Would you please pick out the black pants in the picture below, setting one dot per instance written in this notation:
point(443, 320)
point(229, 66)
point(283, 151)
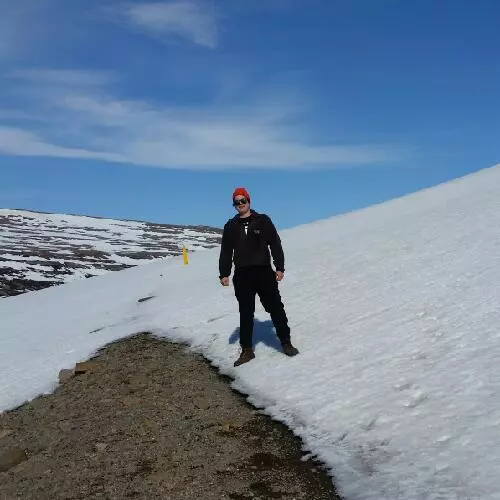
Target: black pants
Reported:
point(260, 280)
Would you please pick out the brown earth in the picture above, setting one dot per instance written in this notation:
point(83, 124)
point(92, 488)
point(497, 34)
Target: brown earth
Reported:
point(149, 420)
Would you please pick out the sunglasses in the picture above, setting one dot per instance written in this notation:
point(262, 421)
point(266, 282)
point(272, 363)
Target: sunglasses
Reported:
point(242, 201)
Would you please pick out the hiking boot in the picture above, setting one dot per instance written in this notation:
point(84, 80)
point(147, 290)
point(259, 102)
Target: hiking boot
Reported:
point(289, 350)
point(246, 355)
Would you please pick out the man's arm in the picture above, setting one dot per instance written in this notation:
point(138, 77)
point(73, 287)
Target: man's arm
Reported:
point(274, 242)
point(226, 254)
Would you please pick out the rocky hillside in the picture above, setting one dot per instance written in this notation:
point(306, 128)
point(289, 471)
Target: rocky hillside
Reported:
point(38, 250)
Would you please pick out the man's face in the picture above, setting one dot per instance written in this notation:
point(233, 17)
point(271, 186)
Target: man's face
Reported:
point(241, 204)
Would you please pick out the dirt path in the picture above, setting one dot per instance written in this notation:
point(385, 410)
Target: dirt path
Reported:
point(151, 422)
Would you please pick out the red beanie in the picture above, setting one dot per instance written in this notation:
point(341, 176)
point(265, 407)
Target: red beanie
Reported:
point(241, 192)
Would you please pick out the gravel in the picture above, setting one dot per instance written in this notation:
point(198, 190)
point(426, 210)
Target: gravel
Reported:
point(151, 420)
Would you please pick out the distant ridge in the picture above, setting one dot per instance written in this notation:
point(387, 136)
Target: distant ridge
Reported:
point(40, 249)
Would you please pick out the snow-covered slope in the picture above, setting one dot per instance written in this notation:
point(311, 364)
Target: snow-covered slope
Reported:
point(38, 250)
point(395, 310)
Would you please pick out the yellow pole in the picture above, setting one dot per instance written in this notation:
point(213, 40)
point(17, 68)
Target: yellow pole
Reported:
point(185, 256)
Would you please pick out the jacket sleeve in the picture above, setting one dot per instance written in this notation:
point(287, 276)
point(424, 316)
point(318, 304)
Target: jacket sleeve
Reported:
point(274, 242)
point(226, 253)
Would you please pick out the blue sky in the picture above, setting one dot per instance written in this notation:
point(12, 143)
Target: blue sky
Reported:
point(157, 110)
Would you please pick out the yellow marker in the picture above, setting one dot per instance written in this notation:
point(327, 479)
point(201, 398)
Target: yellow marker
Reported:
point(185, 256)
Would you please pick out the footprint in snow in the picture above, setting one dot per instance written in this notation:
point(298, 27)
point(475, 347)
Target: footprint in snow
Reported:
point(417, 399)
point(403, 386)
point(368, 426)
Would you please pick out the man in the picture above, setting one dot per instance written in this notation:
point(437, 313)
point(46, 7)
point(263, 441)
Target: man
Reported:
point(246, 239)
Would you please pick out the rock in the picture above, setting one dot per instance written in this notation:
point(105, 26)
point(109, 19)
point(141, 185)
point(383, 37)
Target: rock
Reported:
point(228, 427)
point(86, 366)
point(11, 458)
point(203, 404)
point(131, 401)
point(65, 375)
point(5, 432)
point(100, 447)
point(144, 299)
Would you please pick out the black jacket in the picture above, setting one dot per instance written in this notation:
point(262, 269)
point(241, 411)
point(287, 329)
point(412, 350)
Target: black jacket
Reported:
point(250, 248)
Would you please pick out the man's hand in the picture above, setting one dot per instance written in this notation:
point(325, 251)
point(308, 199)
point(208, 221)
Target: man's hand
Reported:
point(224, 281)
point(279, 275)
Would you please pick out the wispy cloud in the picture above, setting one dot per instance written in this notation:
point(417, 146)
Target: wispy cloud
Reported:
point(19, 142)
point(94, 125)
point(79, 113)
point(63, 77)
point(194, 21)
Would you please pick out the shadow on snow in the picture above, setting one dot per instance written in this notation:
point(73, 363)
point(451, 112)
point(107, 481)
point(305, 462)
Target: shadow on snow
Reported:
point(263, 332)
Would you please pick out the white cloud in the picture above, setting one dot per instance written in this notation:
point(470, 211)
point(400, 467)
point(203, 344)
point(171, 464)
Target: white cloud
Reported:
point(135, 132)
point(18, 142)
point(191, 20)
point(71, 114)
